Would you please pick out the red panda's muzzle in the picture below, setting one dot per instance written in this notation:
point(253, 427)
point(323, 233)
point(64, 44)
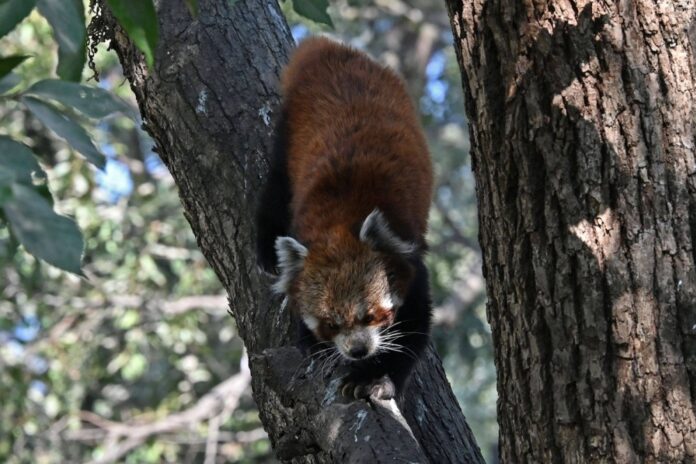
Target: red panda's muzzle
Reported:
point(358, 343)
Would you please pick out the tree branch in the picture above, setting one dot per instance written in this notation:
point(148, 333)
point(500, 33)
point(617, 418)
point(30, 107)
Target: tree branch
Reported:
point(221, 400)
point(206, 105)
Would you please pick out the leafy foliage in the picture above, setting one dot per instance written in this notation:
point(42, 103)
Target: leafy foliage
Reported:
point(8, 63)
point(67, 18)
point(133, 341)
point(91, 101)
point(18, 162)
point(139, 19)
point(55, 239)
point(9, 82)
point(314, 10)
point(12, 12)
point(47, 235)
point(65, 127)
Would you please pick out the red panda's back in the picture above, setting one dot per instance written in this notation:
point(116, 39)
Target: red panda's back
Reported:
point(354, 143)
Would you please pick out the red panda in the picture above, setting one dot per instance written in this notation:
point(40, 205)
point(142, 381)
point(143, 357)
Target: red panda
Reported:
point(343, 216)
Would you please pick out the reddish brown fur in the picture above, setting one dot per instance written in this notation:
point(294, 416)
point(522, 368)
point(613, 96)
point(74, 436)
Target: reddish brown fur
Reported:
point(355, 143)
point(337, 282)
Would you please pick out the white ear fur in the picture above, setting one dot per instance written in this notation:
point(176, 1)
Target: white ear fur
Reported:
point(375, 231)
point(291, 255)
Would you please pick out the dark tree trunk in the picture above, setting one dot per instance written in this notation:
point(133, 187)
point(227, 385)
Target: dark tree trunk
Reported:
point(582, 125)
point(210, 106)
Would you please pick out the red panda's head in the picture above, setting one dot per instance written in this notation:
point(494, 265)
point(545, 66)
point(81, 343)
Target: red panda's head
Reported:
point(348, 290)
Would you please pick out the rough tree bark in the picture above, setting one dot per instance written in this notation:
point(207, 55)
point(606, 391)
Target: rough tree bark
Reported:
point(210, 105)
point(582, 125)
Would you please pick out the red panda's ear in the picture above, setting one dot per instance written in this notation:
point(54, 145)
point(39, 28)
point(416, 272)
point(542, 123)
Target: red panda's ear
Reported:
point(291, 256)
point(375, 231)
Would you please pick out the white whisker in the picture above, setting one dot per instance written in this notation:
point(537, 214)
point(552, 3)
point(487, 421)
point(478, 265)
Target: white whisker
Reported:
point(396, 348)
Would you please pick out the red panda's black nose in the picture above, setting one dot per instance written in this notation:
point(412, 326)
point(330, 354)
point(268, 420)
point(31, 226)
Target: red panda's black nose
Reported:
point(358, 352)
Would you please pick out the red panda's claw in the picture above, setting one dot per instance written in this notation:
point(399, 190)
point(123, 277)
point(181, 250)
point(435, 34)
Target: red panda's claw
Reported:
point(382, 389)
point(348, 389)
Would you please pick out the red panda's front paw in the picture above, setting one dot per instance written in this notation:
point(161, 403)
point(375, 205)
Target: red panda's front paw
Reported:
point(382, 388)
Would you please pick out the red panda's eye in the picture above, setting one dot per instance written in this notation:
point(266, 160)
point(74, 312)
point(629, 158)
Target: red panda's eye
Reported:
point(368, 318)
point(332, 326)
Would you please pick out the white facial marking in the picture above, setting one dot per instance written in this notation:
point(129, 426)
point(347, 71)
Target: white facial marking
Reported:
point(387, 302)
point(367, 336)
point(374, 337)
point(340, 342)
point(311, 322)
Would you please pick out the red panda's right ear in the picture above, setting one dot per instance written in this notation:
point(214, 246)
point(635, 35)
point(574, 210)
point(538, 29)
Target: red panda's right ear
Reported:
point(291, 255)
point(375, 231)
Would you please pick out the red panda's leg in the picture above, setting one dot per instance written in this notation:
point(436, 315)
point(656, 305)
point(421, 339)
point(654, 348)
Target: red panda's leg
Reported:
point(273, 213)
point(386, 374)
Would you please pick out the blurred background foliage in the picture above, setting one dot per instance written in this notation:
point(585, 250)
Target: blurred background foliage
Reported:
point(139, 361)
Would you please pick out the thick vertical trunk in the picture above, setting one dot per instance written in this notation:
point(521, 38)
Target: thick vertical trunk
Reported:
point(582, 123)
point(210, 105)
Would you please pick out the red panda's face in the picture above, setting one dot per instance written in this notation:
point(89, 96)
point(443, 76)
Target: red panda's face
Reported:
point(350, 302)
point(348, 290)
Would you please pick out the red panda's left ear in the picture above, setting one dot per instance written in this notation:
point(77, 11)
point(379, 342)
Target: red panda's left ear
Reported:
point(291, 256)
point(375, 232)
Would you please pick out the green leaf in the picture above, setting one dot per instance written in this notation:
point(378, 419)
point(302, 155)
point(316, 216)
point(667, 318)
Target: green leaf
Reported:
point(8, 63)
point(314, 10)
point(18, 160)
point(6, 181)
point(67, 18)
point(7, 176)
point(12, 12)
point(91, 101)
point(46, 235)
point(135, 367)
point(193, 7)
point(66, 128)
point(5, 189)
point(139, 19)
point(128, 320)
point(9, 82)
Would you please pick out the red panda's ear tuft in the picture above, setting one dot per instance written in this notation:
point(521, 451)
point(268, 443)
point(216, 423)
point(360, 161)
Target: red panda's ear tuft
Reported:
point(375, 232)
point(291, 256)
